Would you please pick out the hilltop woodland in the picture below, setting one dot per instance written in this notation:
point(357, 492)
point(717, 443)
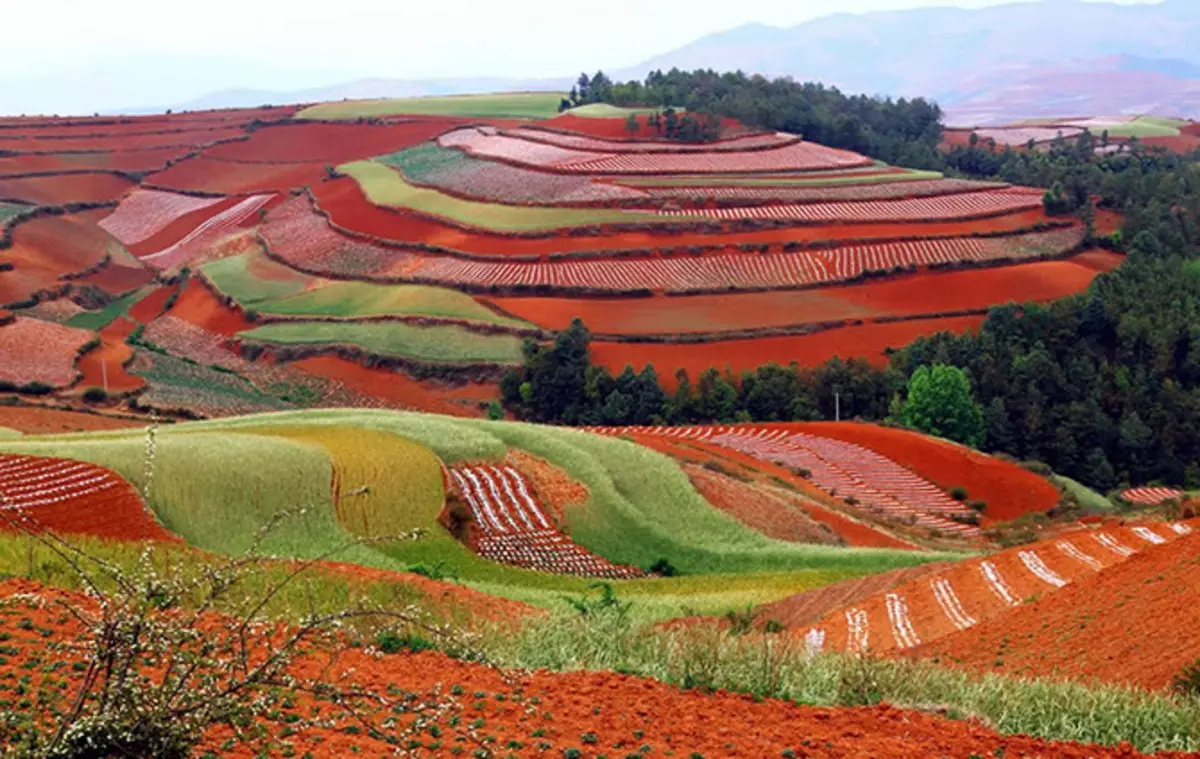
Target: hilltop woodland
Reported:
point(1103, 386)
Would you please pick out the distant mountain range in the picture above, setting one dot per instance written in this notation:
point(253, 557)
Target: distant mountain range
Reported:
point(987, 66)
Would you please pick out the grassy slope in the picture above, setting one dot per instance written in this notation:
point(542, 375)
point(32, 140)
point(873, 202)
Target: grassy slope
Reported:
point(252, 467)
point(96, 320)
point(385, 186)
point(260, 284)
point(9, 210)
point(442, 344)
point(606, 111)
point(516, 105)
point(1144, 126)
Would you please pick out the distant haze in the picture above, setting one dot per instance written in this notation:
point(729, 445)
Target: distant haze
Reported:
point(79, 56)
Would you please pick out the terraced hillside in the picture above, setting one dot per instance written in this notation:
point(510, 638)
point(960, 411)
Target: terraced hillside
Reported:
point(397, 253)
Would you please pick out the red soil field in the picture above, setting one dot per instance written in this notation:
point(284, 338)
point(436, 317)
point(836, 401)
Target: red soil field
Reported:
point(1184, 143)
point(134, 160)
point(105, 366)
point(116, 279)
point(394, 388)
point(72, 188)
point(38, 351)
point(152, 306)
point(34, 420)
point(908, 295)
point(202, 135)
point(805, 608)
point(1009, 490)
point(48, 247)
point(197, 304)
point(202, 174)
point(621, 710)
point(328, 143)
point(1137, 623)
point(348, 207)
point(867, 341)
point(769, 513)
point(855, 533)
point(179, 228)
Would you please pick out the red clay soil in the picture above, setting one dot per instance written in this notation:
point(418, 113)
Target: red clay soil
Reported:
point(868, 341)
point(117, 279)
point(909, 295)
point(344, 201)
point(228, 178)
point(393, 388)
point(622, 711)
point(1107, 221)
point(61, 190)
point(104, 366)
point(1009, 490)
point(1137, 623)
point(153, 305)
point(769, 513)
point(84, 500)
point(1183, 143)
point(329, 143)
point(853, 532)
point(134, 160)
point(180, 228)
point(614, 128)
point(191, 138)
point(48, 247)
point(33, 420)
point(200, 306)
point(805, 608)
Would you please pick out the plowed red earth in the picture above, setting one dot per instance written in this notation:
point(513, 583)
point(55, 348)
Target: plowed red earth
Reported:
point(1009, 490)
point(393, 388)
point(348, 208)
point(200, 306)
point(805, 608)
point(33, 420)
point(769, 513)
point(853, 532)
point(911, 295)
point(104, 366)
point(48, 247)
point(86, 500)
point(328, 143)
point(202, 174)
point(61, 190)
point(153, 305)
point(868, 341)
point(622, 711)
point(1135, 623)
point(134, 160)
point(116, 279)
point(191, 138)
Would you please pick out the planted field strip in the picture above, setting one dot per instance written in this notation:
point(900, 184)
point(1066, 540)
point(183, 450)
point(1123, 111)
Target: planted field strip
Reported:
point(62, 190)
point(37, 351)
point(201, 174)
point(147, 212)
point(958, 206)
point(1112, 544)
point(852, 189)
point(124, 143)
point(598, 145)
point(963, 595)
point(1022, 135)
point(73, 497)
point(1151, 496)
point(491, 143)
point(331, 143)
point(206, 234)
point(843, 470)
point(1148, 535)
point(78, 163)
point(515, 530)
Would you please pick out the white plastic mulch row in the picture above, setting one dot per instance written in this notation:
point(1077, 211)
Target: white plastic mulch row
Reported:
point(515, 529)
point(32, 482)
point(145, 213)
point(996, 582)
point(1112, 544)
point(902, 629)
point(943, 591)
point(1069, 549)
point(859, 632)
point(1151, 496)
point(207, 232)
point(1034, 564)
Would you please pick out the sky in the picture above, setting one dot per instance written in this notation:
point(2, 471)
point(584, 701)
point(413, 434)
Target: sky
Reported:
point(80, 52)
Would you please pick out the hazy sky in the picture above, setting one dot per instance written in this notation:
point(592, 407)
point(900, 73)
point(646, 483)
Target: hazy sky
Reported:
point(83, 55)
point(402, 38)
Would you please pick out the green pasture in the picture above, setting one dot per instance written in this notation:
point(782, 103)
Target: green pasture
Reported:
point(95, 320)
point(385, 186)
point(507, 105)
point(436, 344)
point(216, 482)
point(1144, 126)
point(260, 284)
point(607, 111)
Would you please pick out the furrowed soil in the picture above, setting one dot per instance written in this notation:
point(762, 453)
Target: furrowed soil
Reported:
point(34, 420)
point(808, 607)
point(1136, 623)
point(623, 712)
point(393, 388)
point(867, 341)
point(104, 367)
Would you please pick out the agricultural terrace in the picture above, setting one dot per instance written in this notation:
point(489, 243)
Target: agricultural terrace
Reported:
point(439, 344)
point(516, 105)
point(38, 352)
point(633, 507)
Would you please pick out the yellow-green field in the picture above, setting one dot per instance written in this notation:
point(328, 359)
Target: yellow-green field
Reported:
point(506, 105)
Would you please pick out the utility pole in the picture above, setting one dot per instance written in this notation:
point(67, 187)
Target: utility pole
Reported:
point(104, 374)
point(837, 406)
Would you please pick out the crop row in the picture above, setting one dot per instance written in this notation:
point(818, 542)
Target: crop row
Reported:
point(514, 528)
point(207, 233)
point(145, 213)
point(823, 193)
point(942, 207)
point(490, 143)
point(38, 351)
point(1151, 496)
point(597, 145)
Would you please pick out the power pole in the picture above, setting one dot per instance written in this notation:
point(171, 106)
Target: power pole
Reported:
point(837, 406)
point(104, 374)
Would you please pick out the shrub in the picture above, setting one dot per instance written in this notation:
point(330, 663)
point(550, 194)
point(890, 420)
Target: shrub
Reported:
point(663, 568)
point(980, 506)
point(95, 395)
point(1187, 682)
point(36, 388)
point(959, 494)
point(391, 642)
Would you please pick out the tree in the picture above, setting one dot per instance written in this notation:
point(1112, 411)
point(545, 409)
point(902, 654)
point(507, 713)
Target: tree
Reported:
point(940, 402)
point(631, 124)
point(581, 87)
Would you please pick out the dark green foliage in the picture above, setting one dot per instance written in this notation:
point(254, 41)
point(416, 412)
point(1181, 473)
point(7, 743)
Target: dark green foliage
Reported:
point(1187, 682)
point(940, 403)
point(391, 642)
point(663, 568)
point(95, 395)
